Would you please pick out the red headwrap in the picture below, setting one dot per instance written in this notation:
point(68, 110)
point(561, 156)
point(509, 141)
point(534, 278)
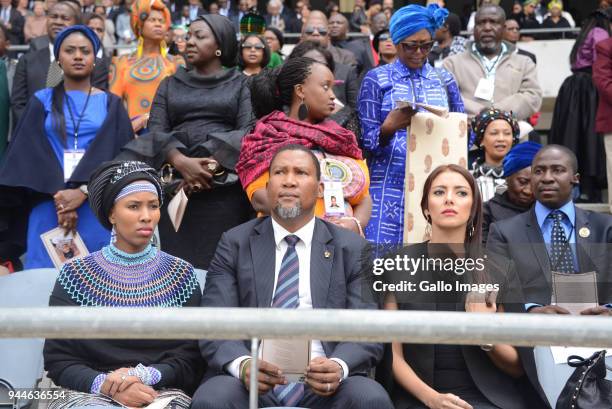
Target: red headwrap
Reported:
point(276, 130)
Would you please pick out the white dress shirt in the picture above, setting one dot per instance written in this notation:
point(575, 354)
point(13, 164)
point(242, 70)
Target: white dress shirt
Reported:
point(302, 248)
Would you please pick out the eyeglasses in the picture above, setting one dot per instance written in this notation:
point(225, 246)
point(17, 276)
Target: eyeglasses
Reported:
point(384, 37)
point(513, 29)
point(253, 46)
point(412, 47)
point(180, 38)
point(311, 30)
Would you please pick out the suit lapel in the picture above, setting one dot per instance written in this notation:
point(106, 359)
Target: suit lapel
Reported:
point(322, 255)
point(583, 244)
point(263, 253)
point(534, 235)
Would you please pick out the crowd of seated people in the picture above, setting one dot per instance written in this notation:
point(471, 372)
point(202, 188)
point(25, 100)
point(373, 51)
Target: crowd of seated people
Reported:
point(281, 176)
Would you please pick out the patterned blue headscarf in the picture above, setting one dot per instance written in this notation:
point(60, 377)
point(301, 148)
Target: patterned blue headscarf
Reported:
point(413, 18)
point(520, 157)
point(86, 31)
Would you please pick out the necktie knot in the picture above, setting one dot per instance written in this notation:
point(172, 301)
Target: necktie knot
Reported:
point(556, 215)
point(292, 240)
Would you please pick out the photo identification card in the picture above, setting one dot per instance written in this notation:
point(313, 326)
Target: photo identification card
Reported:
point(72, 157)
point(333, 197)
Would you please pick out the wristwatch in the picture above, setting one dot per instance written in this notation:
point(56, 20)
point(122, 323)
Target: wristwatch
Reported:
point(83, 189)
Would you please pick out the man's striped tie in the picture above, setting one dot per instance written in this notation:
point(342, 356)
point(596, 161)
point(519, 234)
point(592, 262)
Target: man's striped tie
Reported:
point(287, 296)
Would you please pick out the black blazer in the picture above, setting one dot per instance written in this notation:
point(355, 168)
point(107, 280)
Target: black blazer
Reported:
point(241, 274)
point(501, 389)
point(15, 34)
point(520, 240)
point(31, 76)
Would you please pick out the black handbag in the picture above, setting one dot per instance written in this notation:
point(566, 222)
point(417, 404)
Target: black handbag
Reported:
point(587, 388)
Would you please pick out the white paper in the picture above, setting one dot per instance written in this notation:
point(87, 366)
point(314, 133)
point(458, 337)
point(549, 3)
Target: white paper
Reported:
point(291, 356)
point(485, 89)
point(160, 403)
point(560, 354)
point(176, 208)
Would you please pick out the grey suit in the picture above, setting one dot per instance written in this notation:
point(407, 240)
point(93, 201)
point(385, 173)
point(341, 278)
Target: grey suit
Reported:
point(241, 274)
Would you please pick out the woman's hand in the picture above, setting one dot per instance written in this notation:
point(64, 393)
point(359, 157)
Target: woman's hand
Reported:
point(481, 302)
point(448, 401)
point(136, 395)
point(195, 172)
point(347, 223)
point(68, 200)
point(398, 118)
point(68, 221)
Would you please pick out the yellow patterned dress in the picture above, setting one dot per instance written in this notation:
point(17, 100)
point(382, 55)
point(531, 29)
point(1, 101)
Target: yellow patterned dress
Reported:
point(135, 80)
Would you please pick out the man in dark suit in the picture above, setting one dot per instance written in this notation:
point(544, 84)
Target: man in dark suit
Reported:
point(360, 47)
point(280, 17)
point(531, 239)
point(290, 260)
point(33, 68)
point(13, 21)
point(531, 242)
point(237, 14)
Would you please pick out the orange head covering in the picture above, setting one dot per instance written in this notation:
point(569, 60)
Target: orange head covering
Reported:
point(141, 10)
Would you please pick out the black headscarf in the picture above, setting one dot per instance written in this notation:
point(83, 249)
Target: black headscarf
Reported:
point(225, 35)
point(110, 178)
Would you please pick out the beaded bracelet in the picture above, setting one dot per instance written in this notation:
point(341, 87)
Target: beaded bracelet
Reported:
point(358, 224)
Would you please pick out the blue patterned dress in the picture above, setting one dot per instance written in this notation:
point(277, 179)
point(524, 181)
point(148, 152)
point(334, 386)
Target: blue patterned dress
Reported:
point(382, 87)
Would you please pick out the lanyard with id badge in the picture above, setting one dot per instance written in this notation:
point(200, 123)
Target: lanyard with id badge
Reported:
point(486, 86)
point(72, 157)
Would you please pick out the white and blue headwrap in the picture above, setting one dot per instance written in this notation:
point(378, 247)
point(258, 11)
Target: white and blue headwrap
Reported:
point(414, 18)
point(137, 187)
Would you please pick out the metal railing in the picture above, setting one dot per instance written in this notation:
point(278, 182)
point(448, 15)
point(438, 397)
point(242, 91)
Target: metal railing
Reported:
point(430, 327)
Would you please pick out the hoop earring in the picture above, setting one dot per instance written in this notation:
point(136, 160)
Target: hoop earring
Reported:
point(428, 231)
point(218, 53)
point(303, 111)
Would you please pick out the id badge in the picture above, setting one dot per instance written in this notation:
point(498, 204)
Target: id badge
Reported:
point(438, 63)
point(485, 89)
point(333, 197)
point(72, 157)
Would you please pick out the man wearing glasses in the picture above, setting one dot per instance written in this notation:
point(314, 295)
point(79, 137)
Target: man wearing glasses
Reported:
point(316, 29)
point(490, 73)
point(512, 33)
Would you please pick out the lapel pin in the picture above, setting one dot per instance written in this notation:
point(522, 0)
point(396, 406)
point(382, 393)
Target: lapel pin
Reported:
point(327, 254)
point(584, 232)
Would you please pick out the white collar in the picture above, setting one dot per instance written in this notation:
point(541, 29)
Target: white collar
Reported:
point(305, 233)
point(51, 51)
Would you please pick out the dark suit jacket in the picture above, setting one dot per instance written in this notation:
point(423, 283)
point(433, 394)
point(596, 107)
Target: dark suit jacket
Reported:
point(362, 51)
point(241, 274)
point(31, 76)
point(291, 22)
point(17, 22)
point(38, 43)
point(520, 239)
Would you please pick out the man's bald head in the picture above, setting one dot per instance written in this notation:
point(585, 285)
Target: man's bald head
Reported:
point(491, 8)
point(316, 28)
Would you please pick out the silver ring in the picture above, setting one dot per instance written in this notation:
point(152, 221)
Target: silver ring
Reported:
point(328, 387)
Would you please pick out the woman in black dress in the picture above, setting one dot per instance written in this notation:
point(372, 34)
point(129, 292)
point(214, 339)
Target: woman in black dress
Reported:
point(198, 119)
point(452, 376)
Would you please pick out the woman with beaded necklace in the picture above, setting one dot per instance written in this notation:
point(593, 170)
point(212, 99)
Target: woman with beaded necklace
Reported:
point(130, 272)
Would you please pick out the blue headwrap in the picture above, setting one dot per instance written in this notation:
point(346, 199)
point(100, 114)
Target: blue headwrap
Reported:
point(520, 157)
point(413, 18)
point(86, 31)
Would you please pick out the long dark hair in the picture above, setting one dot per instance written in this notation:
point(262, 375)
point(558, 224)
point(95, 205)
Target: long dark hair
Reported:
point(272, 90)
point(598, 18)
point(58, 119)
point(472, 237)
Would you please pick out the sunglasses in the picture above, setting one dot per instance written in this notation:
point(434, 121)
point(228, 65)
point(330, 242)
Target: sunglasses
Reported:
point(253, 46)
point(384, 37)
point(311, 30)
point(412, 47)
